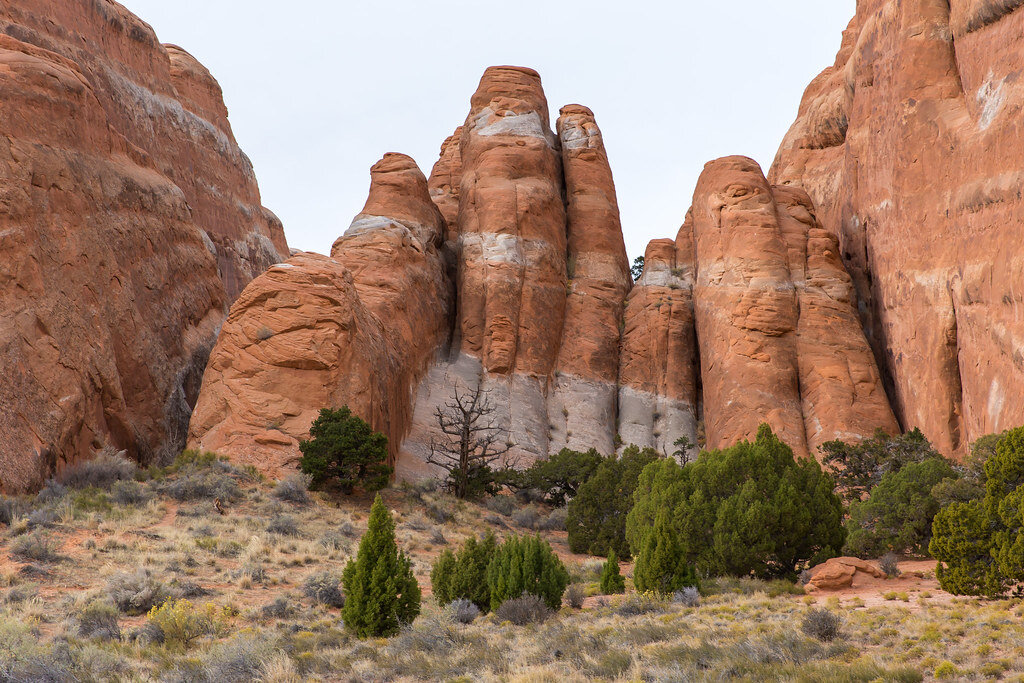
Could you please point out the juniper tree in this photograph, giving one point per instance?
(471, 443)
(381, 593)
(660, 565)
(344, 449)
(465, 575)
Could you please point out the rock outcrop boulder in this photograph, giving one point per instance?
(839, 573)
(129, 221)
(910, 146)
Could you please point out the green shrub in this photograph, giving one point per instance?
(859, 467)
(597, 515)
(345, 450)
(898, 514)
(748, 509)
(465, 575)
(612, 582)
(526, 565)
(380, 589)
(660, 565)
(979, 545)
(559, 476)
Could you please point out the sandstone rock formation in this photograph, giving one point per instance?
(910, 146)
(658, 366)
(775, 317)
(839, 573)
(518, 284)
(356, 328)
(582, 402)
(130, 219)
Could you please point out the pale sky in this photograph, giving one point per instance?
(319, 90)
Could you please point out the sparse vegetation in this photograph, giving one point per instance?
(821, 624)
(255, 613)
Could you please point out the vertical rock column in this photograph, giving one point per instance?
(840, 386)
(512, 263)
(658, 370)
(746, 308)
(582, 404)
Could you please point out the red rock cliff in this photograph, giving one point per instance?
(129, 221)
(910, 145)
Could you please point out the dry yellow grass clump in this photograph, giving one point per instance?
(125, 574)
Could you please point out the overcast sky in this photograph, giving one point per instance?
(318, 90)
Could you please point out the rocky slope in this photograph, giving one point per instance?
(130, 221)
(910, 145)
(517, 283)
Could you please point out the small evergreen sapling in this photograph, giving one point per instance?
(380, 589)
(526, 565)
(612, 582)
(464, 576)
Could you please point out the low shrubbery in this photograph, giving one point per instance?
(526, 565)
(821, 624)
(752, 508)
(979, 545)
(324, 588)
(526, 609)
(464, 575)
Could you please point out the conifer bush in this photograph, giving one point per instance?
(897, 516)
(380, 589)
(343, 449)
(660, 565)
(612, 582)
(464, 576)
(752, 508)
(596, 521)
(526, 564)
(979, 545)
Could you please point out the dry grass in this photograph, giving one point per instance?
(270, 600)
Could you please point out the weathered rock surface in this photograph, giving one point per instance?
(506, 271)
(582, 404)
(129, 220)
(839, 573)
(910, 146)
(357, 328)
(775, 317)
(658, 365)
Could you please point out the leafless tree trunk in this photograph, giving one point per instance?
(471, 441)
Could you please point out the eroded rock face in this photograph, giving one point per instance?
(910, 146)
(506, 272)
(357, 328)
(582, 402)
(775, 318)
(658, 365)
(130, 219)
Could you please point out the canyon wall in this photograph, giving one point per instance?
(910, 145)
(130, 220)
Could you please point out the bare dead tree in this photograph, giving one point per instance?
(471, 443)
